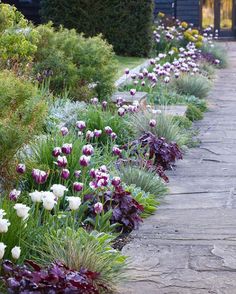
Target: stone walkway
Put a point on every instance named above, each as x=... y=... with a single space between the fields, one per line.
x=189 y=245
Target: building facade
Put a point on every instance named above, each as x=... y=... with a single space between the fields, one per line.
x=220 y=14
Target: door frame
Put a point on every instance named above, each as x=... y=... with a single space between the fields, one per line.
x=231 y=33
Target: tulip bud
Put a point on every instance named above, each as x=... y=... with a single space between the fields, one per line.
x=84 y=160
x=127 y=71
x=21 y=168
x=36 y=196
x=81 y=125
x=98 y=207
x=77 y=173
x=67 y=149
x=2 y=249
x=116 y=151
x=104 y=105
x=48 y=200
x=15 y=252
x=108 y=130
x=113 y=136
x=56 y=151
x=4 y=224
x=94 y=101
x=78 y=186
x=58 y=190
x=132 y=92
x=88 y=150
x=62 y=161
x=89 y=135
x=92 y=173
x=22 y=210
x=64 y=131
x=121 y=111
x=39 y=176
x=74 y=202
x=65 y=174
x=116 y=181
x=97 y=133
x=152 y=123
x=14 y=194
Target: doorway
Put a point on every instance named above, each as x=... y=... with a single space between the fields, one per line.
x=220 y=15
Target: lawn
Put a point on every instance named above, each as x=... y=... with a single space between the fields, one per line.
x=127 y=62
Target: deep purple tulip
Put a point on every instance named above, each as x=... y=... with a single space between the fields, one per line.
x=78 y=186
x=113 y=136
x=62 y=161
x=64 y=131
x=88 y=150
x=81 y=125
x=65 y=174
x=14 y=194
x=116 y=181
x=92 y=173
x=66 y=148
x=127 y=71
x=97 y=133
x=21 y=168
x=89 y=135
x=108 y=130
x=56 y=151
x=104 y=105
x=152 y=123
x=39 y=176
x=116 y=151
x=84 y=160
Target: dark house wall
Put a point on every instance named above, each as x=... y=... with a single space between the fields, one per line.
x=188 y=10
x=165 y=6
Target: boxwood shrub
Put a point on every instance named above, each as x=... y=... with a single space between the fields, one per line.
x=126 y=24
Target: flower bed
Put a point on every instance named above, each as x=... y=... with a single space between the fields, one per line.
x=80 y=175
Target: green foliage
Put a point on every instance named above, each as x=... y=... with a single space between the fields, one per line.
x=96 y=118
x=77 y=63
x=147 y=200
x=147 y=181
x=10 y=17
x=193 y=113
x=80 y=249
x=166 y=127
x=196 y=85
x=207 y=70
x=183 y=122
x=127 y=25
x=218 y=52
x=22 y=114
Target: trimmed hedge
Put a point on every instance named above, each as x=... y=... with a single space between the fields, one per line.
x=126 y=24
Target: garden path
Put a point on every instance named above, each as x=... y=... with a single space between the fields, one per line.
x=189 y=245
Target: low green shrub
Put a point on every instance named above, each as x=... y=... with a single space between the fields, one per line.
x=183 y=122
x=165 y=127
x=23 y=110
x=195 y=85
x=193 y=113
x=126 y=25
x=84 y=66
x=147 y=181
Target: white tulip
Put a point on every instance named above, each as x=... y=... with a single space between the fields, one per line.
x=74 y=202
x=48 y=200
x=4 y=224
x=22 y=210
x=2 y=249
x=58 y=190
x=36 y=196
x=2 y=213
x=15 y=252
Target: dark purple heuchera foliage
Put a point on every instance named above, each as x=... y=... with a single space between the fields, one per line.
x=56 y=279
x=126 y=211
x=161 y=154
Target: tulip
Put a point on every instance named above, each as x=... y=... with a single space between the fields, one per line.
x=15 y=252
x=89 y=135
x=108 y=130
x=74 y=202
x=78 y=186
x=64 y=131
x=121 y=111
x=127 y=71
x=94 y=100
x=58 y=190
x=133 y=76
x=135 y=84
x=116 y=151
x=143 y=83
x=2 y=249
x=119 y=101
x=132 y=92
x=97 y=133
x=81 y=125
x=166 y=80
x=2 y=213
x=88 y=150
x=152 y=123
x=21 y=168
x=103 y=169
x=113 y=136
x=56 y=151
x=49 y=202
x=14 y=194
x=92 y=173
x=4 y=224
x=39 y=176
x=62 y=161
x=84 y=160
x=98 y=207
x=140 y=76
x=22 y=210
x=66 y=148
x=104 y=105
x=65 y=174
x=36 y=196
x=77 y=173
x=116 y=181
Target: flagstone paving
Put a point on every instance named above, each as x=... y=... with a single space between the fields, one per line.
x=189 y=245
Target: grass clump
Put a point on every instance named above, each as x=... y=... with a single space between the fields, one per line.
x=193 y=113
x=196 y=85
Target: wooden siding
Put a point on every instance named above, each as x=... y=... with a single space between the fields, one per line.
x=165 y=6
x=189 y=10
